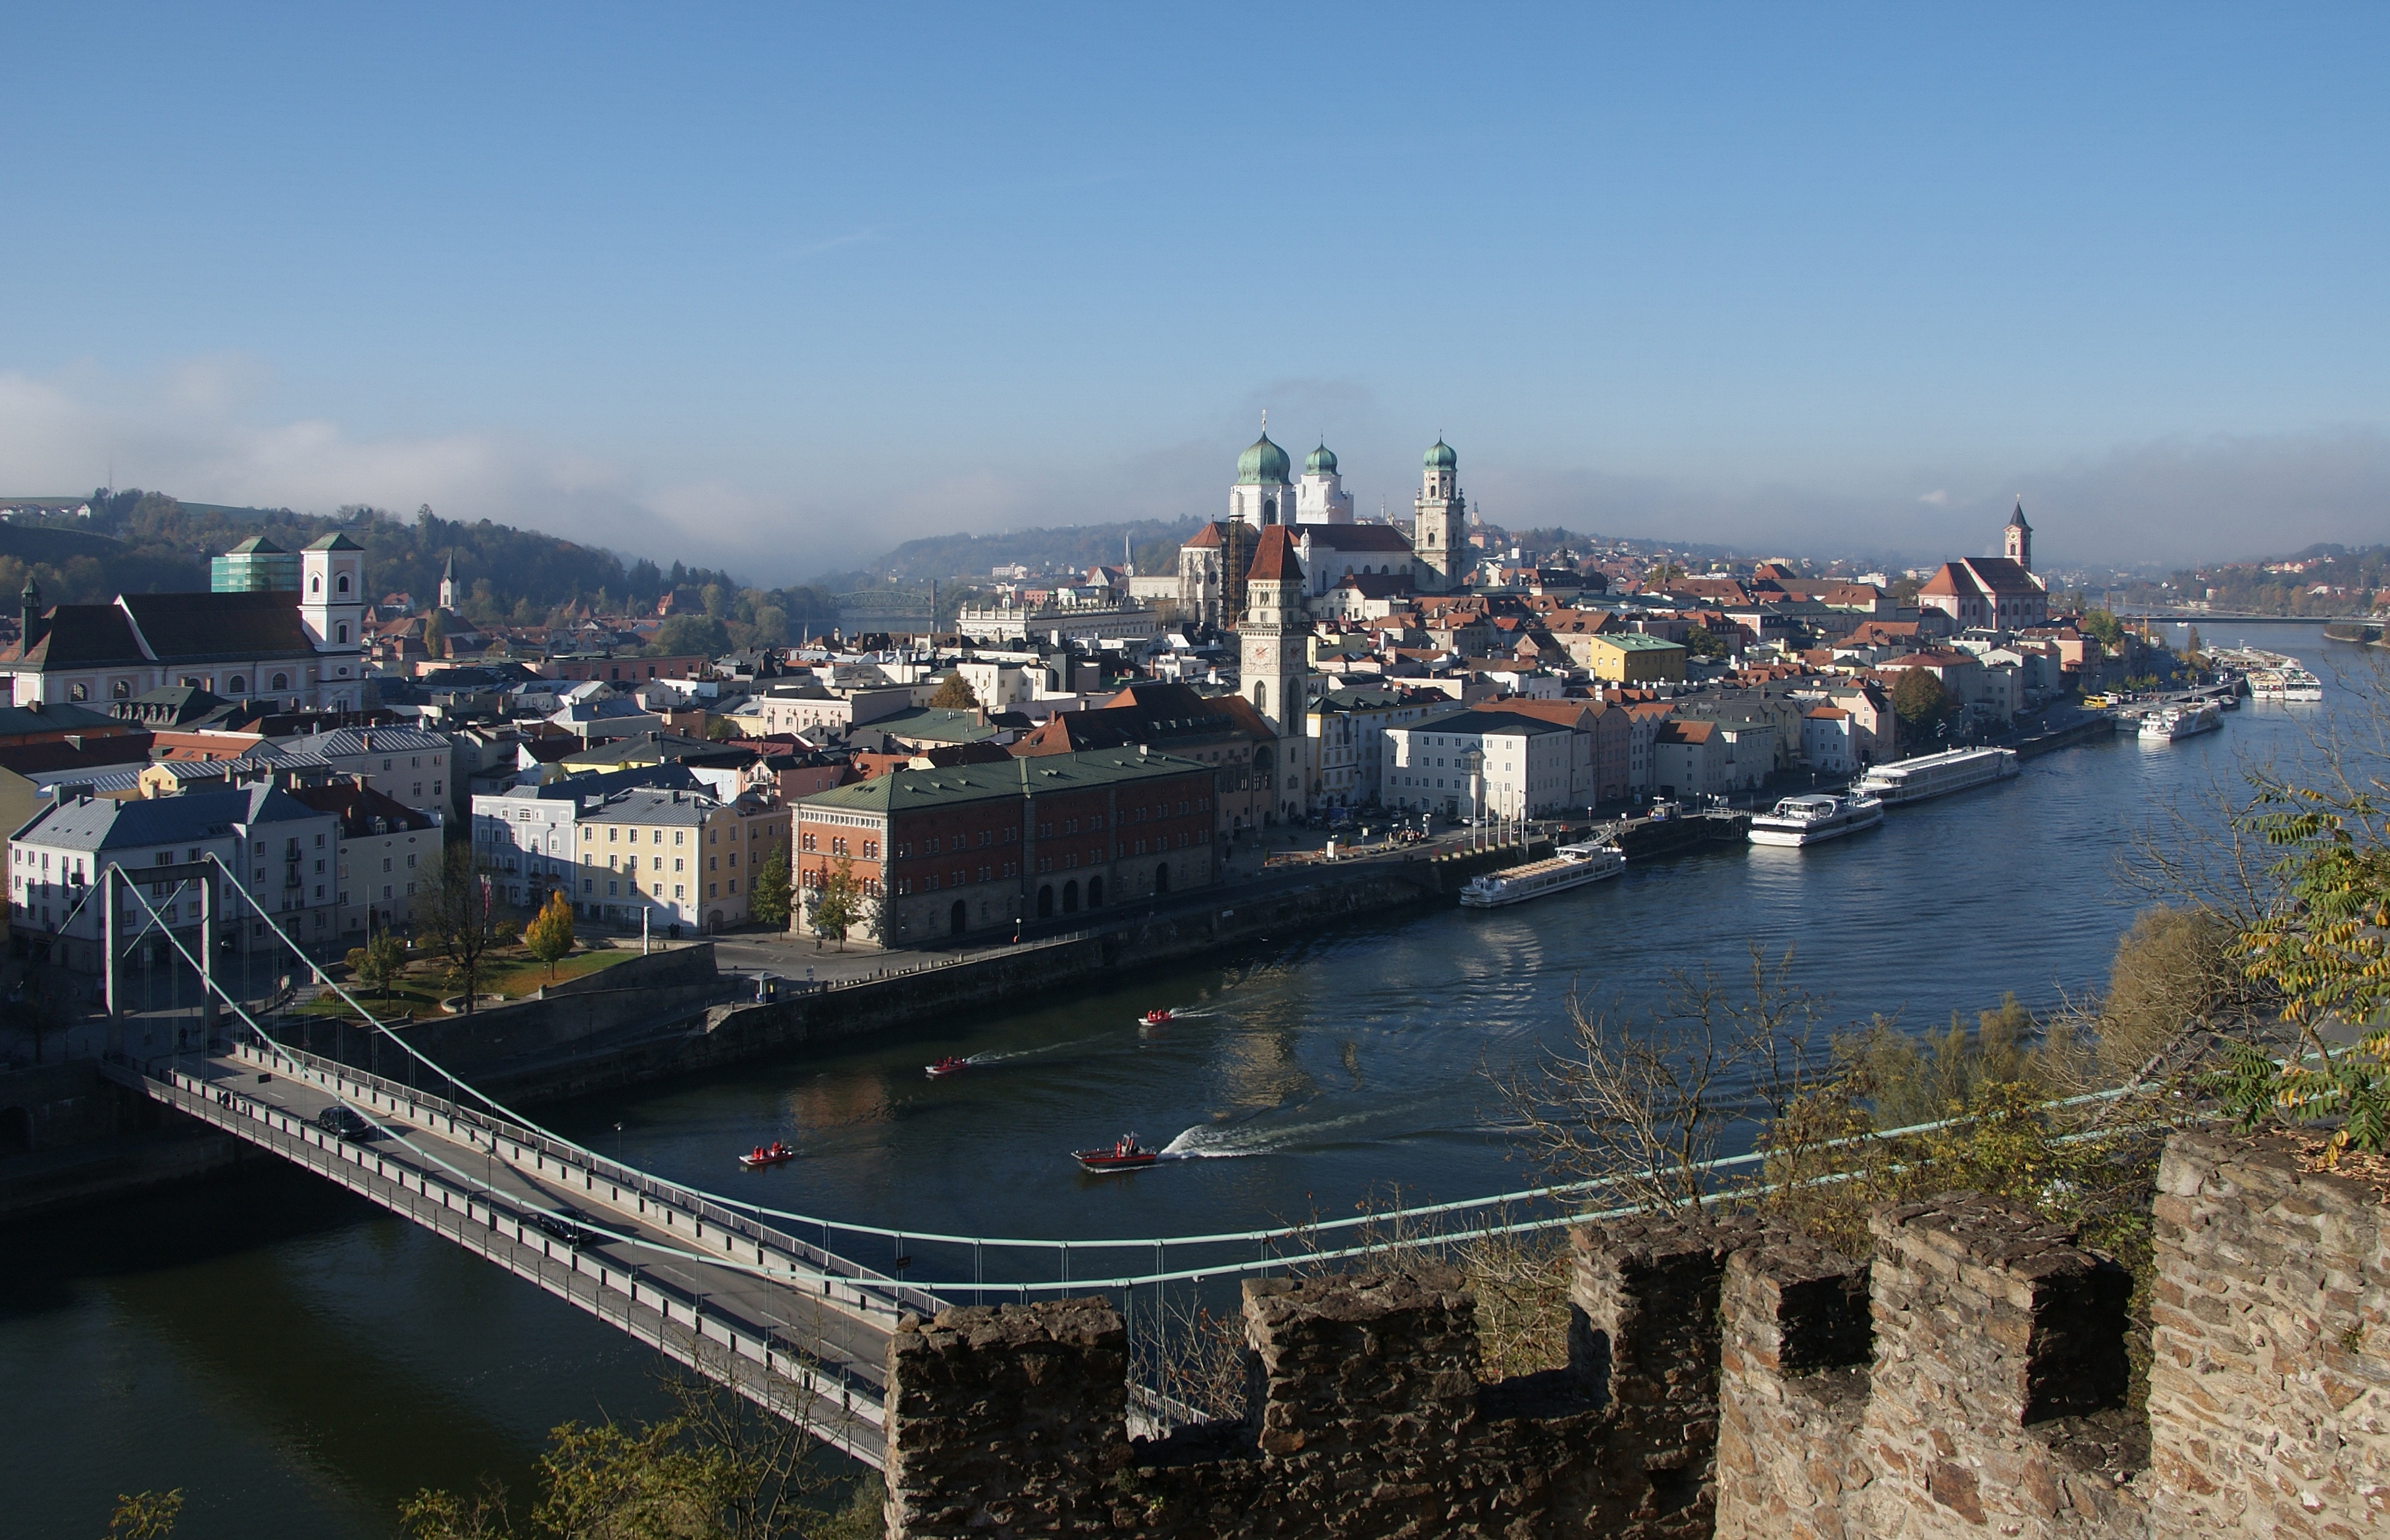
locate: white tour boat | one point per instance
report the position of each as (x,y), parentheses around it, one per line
(2170,723)
(1913,780)
(1574,867)
(1810,819)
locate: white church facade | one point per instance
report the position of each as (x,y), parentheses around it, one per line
(300,650)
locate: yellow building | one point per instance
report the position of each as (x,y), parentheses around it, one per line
(1631,658)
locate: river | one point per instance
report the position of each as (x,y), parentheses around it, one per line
(299,1363)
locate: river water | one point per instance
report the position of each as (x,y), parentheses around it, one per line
(299,1362)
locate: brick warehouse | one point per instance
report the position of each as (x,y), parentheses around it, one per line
(949,851)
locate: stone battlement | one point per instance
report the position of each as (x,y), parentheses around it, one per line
(1727,1381)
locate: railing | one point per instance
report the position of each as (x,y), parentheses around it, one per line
(840,1403)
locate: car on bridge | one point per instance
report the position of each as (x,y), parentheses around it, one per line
(569,1225)
(347,1122)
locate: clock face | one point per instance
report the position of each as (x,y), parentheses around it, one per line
(1261,655)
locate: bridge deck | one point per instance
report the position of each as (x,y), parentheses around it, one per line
(782,1323)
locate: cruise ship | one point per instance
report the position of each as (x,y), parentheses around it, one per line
(2289,682)
(1914,780)
(1812,819)
(1574,868)
(2170,723)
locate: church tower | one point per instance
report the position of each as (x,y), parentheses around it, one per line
(332,608)
(448,584)
(1274,661)
(1320,498)
(2017,539)
(1440,518)
(1263,495)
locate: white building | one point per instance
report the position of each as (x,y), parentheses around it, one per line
(1467,762)
(281,851)
(1320,497)
(301,651)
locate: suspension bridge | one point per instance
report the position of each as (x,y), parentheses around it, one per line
(778,1307)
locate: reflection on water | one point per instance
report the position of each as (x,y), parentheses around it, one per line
(300,1365)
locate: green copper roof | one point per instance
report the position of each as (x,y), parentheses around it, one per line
(1441,457)
(1322,461)
(1263,464)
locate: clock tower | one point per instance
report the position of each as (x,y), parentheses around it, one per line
(1273,661)
(1440,518)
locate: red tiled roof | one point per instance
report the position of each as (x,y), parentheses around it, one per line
(1274,559)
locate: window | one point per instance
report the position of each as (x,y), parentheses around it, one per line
(78,692)
(281,682)
(341,634)
(236,684)
(344,582)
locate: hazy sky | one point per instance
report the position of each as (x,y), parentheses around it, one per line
(787,286)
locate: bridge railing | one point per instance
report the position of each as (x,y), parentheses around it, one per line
(530,1139)
(829,1395)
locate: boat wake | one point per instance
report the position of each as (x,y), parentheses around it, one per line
(1210,1141)
(994,1056)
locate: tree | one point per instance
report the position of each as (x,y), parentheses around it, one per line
(717,1468)
(2101,627)
(954,693)
(1702,642)
(1920,702)
(464,919)
(435,636)
(146,1515)
(767,903)
(2191,649)
(377,963)
(1638,1105)
(700,635)
(838,903)
(549,935)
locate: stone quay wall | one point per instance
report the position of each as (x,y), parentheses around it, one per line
(1724,1380)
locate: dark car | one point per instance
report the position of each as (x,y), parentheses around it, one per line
(345,1120)
(569,1226)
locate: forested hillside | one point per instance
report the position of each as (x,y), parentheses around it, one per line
(1155,542)
(141,542)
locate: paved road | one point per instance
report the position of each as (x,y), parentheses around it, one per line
(840,1335)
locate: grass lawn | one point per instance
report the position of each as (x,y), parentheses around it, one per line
(510,971)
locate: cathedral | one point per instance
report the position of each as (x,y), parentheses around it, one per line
(1288,552)
(1328,544)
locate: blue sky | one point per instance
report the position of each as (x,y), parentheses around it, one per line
(785,285)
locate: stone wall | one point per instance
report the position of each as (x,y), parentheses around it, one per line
(1971,1381)
(2269,1388)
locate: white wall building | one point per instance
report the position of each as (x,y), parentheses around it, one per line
(1523,767)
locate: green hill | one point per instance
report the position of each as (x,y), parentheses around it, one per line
(145,542)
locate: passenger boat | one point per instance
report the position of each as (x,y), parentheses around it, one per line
(1914,780)
(2170,723)
(1815,818)
(1125,1154)
(773,1154)
(1574,867)
(1156,1018)
(949,1065)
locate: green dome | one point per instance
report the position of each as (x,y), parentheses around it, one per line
(1441,457)
(1263,463)
(1322,461)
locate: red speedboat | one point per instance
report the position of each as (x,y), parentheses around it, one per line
(1125,1154)
(773,1154)
(1156,1018)
(949,1065)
